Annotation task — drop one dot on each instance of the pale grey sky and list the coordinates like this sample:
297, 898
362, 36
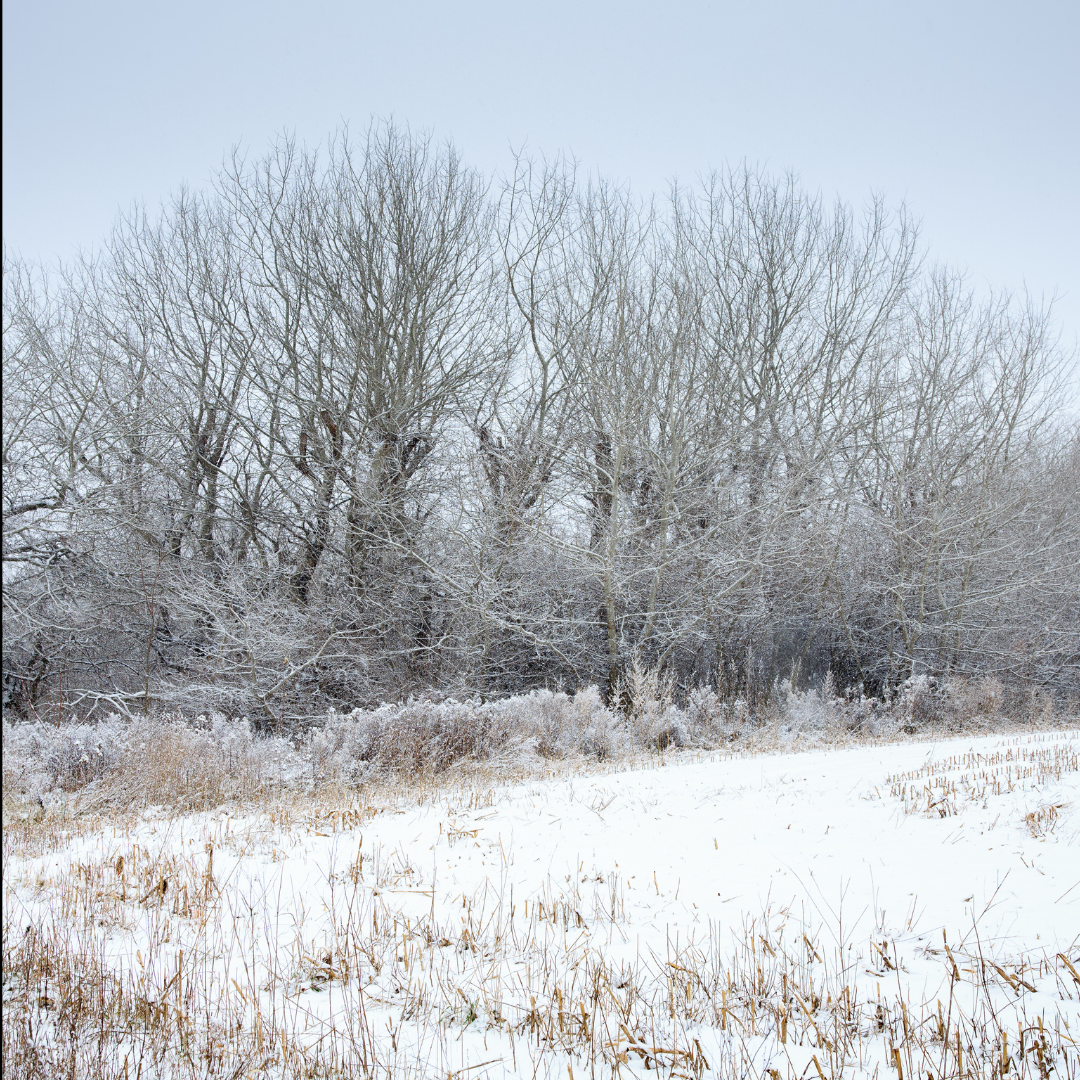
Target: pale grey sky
969, 111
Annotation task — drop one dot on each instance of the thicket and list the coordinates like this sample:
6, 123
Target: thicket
361, 424
188, 762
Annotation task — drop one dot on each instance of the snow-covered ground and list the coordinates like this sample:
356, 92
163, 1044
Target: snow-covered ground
910, 908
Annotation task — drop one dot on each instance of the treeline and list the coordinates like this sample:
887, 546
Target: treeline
362, 423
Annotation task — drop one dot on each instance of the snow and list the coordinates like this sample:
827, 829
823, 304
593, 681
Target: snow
452, 933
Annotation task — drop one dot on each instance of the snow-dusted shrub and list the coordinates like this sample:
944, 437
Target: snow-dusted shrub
807, 711
83, 753
63, 756
547, 717
922, 703
331, 749
1038, 706
599, 732
424, 735
710, 720
824, 711
145, 760
653, 719
558, 725
858, 714
194, 763
419, 736
974, 699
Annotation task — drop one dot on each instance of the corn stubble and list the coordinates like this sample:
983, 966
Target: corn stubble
943, 788
221, 986
141, 961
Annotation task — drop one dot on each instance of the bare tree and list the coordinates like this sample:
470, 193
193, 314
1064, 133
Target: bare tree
348, 427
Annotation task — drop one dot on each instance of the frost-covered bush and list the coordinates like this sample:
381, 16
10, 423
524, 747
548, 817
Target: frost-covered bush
210, 758
707, 716
955, 703
82, 753
419, 736
653, 720
598, 731
203, 761
807, 711
921, 702
858, 714
710, 720
65, 757
547, 716
430, 736
559, 725
975, 699
824, 712
145, 760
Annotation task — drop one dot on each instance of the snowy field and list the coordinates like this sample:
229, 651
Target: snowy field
887, 910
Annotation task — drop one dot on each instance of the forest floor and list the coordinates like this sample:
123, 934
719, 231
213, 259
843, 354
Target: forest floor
908, 909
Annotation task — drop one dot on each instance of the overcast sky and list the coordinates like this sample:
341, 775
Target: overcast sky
969, 111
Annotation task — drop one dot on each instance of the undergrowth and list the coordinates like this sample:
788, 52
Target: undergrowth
189, 762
